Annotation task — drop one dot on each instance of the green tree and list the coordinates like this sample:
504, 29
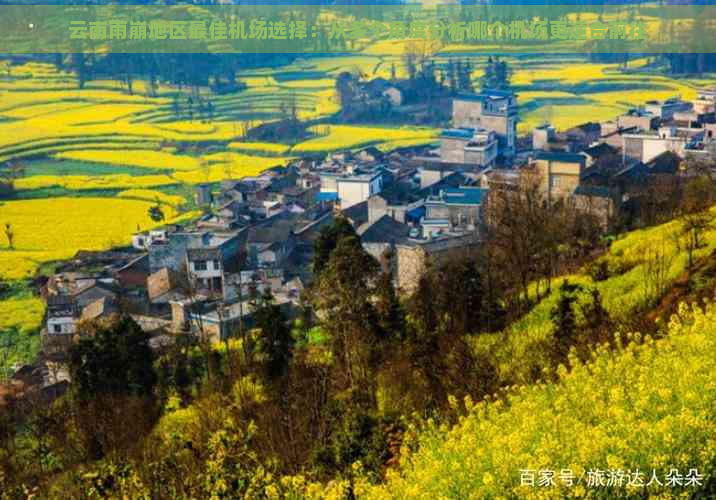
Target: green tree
276, 343
564, 318
496, 75
344, 297
116, 360
328, 240
390, 312
464, 76
9, 235
698, 196
448, 305
156, 213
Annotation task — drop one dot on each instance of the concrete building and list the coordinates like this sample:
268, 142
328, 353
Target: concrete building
468, 146
665, 109
639, 118
494, 110
356, 188
481, 151
434, 173
62, 315
353, 188
705, 101
453, 209
203, 194
559, 173
453, 143
379, 206
142, 241
413, 257
210, 258
644, 147
542, 136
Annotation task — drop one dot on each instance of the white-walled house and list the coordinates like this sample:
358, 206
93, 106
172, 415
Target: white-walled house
62, 315
355, 187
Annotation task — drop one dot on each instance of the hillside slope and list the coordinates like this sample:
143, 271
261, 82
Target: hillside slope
647, 406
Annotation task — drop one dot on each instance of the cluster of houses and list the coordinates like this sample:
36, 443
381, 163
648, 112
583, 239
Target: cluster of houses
408, 207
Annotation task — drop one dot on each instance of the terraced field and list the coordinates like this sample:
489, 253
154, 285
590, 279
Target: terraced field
87, 149
97, 158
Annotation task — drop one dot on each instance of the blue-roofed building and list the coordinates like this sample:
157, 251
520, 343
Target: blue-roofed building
458, 133
326, 197
453, 210
469, 146
472, 196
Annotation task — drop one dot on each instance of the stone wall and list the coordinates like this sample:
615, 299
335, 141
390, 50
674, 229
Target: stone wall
411, 261
410, 265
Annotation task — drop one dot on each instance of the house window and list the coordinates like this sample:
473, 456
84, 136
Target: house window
215, 263
554, 181
57, 328
199, 265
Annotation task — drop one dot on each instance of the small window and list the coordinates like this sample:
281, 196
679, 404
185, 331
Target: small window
216, 265
199, 265
554, 181
57, 328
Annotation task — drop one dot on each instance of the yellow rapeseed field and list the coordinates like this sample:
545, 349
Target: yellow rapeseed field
135, 158
151, 195
350, 136
220, 166
80, 182
263, 147
50, 229
648, 406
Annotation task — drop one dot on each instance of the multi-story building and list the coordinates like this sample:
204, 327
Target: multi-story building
354, 187
542, 135
494, 110
705, 101
639, 119
469, 146
646, 146
453, 209
62, 315
559, 173
665, 109
210, 258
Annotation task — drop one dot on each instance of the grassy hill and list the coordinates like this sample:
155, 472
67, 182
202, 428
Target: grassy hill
629, 289
640, 402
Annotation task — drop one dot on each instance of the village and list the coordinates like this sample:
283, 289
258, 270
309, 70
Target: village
410, 207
